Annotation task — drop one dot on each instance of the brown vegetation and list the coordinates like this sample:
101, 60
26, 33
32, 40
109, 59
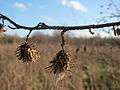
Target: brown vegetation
97, 66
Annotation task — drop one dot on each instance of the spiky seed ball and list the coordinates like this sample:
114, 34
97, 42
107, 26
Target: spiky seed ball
60, 63
2, 28
27, 53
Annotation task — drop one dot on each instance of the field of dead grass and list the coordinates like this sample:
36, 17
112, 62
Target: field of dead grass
97, 66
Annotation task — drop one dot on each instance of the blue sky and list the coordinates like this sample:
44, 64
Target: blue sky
52, 12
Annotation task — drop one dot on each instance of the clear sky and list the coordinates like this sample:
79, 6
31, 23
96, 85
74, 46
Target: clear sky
52, 12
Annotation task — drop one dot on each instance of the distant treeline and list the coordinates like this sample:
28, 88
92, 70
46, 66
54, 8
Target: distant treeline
56, 38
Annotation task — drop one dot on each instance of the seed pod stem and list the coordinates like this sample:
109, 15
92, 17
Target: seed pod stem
114, 30
91, 31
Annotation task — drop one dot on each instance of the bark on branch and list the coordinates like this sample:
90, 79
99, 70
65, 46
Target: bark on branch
43, 26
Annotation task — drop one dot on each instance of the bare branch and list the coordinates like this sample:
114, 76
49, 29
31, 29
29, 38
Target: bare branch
43, 26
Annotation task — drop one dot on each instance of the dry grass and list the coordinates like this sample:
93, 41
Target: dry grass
96, 68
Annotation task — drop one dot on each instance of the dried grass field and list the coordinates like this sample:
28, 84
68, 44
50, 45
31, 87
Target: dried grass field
97, 66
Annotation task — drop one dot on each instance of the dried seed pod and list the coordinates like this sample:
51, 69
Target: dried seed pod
27, 53
60, 63
2, 28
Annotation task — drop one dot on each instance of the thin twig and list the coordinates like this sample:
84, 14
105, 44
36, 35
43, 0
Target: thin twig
28, 35
63, 40
43, 26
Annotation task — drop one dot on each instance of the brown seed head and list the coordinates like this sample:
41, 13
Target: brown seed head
27, 53
60, 63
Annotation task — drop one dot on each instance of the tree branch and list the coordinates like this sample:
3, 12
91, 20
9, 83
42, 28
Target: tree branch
43, 26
